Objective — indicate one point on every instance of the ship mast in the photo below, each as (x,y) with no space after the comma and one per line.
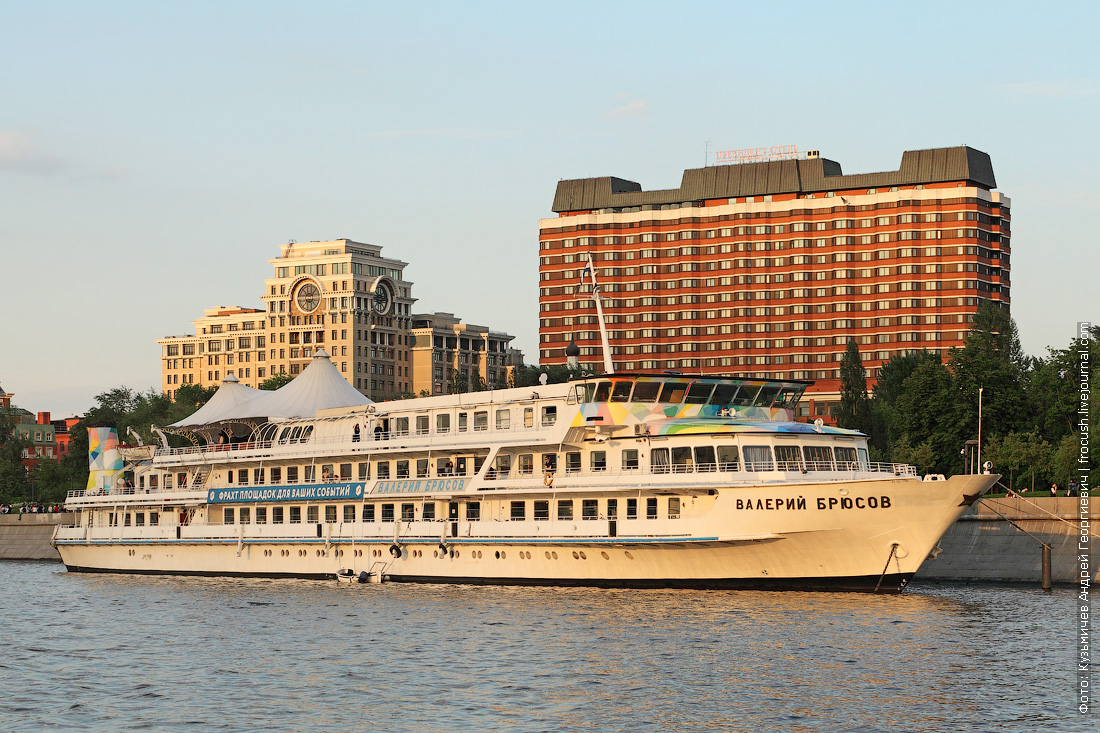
(588,268)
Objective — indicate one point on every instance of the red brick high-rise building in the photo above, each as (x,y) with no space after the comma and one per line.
(769,268)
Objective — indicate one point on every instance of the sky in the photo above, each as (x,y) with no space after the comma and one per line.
(153,156)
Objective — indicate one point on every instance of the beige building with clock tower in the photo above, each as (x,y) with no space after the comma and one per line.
(340,296)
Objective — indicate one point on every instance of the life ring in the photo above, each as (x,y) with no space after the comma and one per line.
(548,479)
(395,550)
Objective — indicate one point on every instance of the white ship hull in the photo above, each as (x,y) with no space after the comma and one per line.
(860,535)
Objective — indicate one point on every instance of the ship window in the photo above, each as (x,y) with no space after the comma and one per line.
(550,462)
(227,515)
(602,393)
(153,481)
(368,512)
(258,476)
(766,397)
(542,510)
(387,512)
(364,471)
(330,514)
(681,459)
(526,464)
(504,419)
(427,511)
(699,393)
(473,511)
(292,474)
(612,508)
(630,459)
(503,467)
(276,475)
(295,515)
(422,425)
(673,392)
(745,394)
(658,460)
(549,415)
(349,513)
(383,470)
(673,507)
(758,458)
(126,519)
(276,515)
(442,423)
(308,431)
(819,457)
(863,461)
(598,460)
(789,458)
(402,469)
(631,508)
(572,462)
(462,422)
(704,458)
(312,514)
(845,458)
(651,508)
(788,396)
(528,417)
(727,458)
(460,465)
(310,474)
(519,511)
(154,519)
(481,420)
(646,391)
(139,519)
(479,461)
(565,509)
(345,472)
(261,515)
(181,479)
(402,426)
(723,394)
(326,472)
(621,392)
(408,512)
(589,509)
(421,467)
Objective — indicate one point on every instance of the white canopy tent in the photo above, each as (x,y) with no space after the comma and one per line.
(224,405)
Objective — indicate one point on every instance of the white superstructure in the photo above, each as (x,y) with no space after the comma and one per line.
(626,480)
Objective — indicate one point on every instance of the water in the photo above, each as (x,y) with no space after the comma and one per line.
(118,653)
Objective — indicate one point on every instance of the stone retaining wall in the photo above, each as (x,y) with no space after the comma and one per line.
(984,546)
(27,536)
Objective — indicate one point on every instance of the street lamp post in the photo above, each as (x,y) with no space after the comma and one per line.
(979,466)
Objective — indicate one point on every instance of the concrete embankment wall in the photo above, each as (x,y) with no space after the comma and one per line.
(27,536)
(984,546)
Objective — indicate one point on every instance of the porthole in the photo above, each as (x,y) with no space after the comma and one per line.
(583,556)
(498,554)
(628,555)
(576,556)
(547,554)
(456,553)
(503,555)
(554,554)
(605,556)
(435,553)
(528,555)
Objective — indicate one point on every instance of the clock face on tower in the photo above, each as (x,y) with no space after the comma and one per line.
(382,300)
(309,297)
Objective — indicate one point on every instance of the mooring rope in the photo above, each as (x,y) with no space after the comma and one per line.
(893,551)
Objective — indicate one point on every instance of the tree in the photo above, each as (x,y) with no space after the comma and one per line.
(13,475)
(275,381)
(926,412)
(920,456)
(855,409)
(1018,452)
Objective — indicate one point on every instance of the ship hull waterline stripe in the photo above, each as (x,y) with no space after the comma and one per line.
(889,584)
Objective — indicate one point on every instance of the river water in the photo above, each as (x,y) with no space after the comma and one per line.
(120,653)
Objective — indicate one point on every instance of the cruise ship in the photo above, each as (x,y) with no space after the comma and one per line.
(622,480)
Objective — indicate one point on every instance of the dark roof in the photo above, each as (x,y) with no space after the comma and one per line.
(811,175)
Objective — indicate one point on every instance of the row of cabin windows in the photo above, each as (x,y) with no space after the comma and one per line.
(704,458)
(540,510)
(502,420)
(680,459)
(138,519)
(693,393)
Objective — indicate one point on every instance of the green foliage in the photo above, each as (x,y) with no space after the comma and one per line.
(1020,454)
(920,456)
(528,376)
(855,407)
(275,381)
(13,476)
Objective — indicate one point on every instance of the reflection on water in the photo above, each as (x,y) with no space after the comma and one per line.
(107,653)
